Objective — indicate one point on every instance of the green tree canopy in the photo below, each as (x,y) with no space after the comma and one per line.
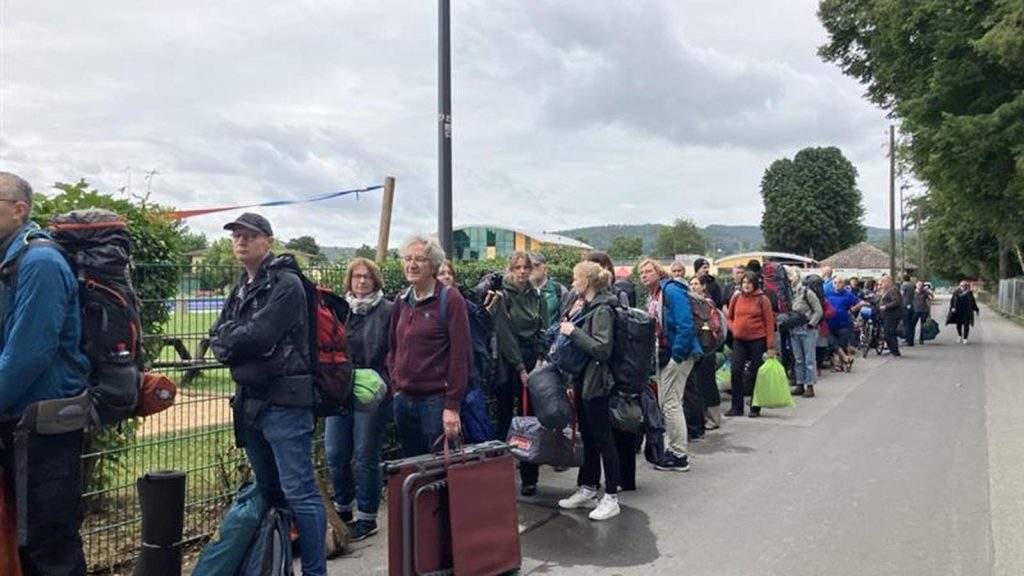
(366,251)
(812,204)
(626,247)
(952,73)
(682,237)
(307,245)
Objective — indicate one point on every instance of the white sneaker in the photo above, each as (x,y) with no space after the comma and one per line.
(959,340)
(583,498)
(965,340)
(607,508)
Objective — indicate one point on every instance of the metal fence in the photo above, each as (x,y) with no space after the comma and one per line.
(1011,297)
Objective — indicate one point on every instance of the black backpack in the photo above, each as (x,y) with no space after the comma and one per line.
(270,553)
(97,246)
(634,349)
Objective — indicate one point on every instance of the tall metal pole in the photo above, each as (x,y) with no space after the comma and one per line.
(444,127)
(892,201)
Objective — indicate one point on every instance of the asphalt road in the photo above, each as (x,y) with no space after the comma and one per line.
(911,466)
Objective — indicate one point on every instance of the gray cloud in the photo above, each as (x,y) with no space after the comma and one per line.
(566,112)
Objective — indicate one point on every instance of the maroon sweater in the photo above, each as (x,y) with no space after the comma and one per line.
(426,358)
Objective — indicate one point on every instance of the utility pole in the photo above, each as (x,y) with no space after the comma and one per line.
(892,201)
(444,127)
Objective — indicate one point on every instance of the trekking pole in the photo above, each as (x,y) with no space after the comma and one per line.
(162,501)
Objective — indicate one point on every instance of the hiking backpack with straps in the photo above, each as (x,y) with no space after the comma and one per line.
(328,358)
(97,246)
(776,287)
(634,349)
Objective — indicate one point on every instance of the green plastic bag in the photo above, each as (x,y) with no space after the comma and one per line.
(723,377)
(772,387)
(369,389)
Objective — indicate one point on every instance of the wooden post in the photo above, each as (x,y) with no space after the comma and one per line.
(386,206)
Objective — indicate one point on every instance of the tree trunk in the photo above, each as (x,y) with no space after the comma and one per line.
(1004,259)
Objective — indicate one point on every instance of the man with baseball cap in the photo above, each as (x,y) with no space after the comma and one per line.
(263,336)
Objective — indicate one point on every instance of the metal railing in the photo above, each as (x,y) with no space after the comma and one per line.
(1011,297)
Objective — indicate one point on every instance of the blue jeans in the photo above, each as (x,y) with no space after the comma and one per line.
(804,341)
(280,450)
(419,423)
(353,443)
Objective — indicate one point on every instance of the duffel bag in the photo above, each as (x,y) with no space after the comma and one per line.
(531,442)
(550,397)
(224,554)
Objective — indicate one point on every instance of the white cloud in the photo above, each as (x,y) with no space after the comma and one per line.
(566,112)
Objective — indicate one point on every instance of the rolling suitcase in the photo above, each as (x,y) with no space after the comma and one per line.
(453,513)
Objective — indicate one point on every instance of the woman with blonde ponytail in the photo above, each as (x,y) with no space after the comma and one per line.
(593,388)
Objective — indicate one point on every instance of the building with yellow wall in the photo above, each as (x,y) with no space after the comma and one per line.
(488,242)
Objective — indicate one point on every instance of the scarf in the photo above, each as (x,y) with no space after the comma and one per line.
(364,305)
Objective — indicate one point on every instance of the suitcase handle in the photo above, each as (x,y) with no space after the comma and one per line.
(435,486)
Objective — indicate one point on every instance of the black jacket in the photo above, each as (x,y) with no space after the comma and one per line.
(962,308)
(366,338)
(263,335)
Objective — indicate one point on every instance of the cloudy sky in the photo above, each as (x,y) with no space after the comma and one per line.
(566,112)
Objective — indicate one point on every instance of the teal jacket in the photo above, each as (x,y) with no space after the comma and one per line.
(40,327)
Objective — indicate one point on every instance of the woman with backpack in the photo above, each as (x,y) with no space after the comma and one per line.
(519,323)
(752,323)
(626,442)
(353,441)
(805,337)
(702,400)
(593,389)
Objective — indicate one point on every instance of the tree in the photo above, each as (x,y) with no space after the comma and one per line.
(307,245)
(366,251)
(683,237)
(626,247)
(812,204)
(193,241)
(219,268)
(952,73)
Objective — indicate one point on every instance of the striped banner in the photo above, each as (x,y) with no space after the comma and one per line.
(184,214)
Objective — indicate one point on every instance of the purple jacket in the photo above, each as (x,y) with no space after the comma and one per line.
(425,357)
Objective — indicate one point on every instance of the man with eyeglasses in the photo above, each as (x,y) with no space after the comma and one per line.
(40,362)
(428,354)
(263,336)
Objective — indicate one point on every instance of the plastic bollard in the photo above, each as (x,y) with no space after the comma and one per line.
(162,500)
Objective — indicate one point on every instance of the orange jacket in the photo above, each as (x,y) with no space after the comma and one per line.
(751,317)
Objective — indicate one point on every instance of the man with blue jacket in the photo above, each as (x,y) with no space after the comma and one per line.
(40,364)
(669,303)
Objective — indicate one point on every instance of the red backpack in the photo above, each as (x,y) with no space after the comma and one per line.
(329,362)
(776,287)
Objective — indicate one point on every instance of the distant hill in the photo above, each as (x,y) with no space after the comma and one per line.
(601,237)
(335,253)
(724,238)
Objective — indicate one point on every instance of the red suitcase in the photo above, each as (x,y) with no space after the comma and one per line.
(472,529)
